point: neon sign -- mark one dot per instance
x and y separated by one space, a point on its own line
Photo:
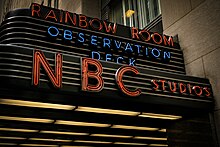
40 59
105 48
95 24
107 44
92 81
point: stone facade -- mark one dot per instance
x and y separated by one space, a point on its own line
197 24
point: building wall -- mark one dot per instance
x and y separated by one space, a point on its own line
197 24
74 6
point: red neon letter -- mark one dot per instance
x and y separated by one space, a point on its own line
86 74
134 33
92 22
169 41
182 87
163 84
51 15
155 84
196 91
174 86
71 18
155 40
144 37
109 27
82 19
119 75
35 9
40 59
189 88
208 93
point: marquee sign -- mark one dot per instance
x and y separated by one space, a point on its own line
128 52
67 73
57 50
62 31
165 86
95 24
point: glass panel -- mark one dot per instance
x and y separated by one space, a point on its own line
137 13
116 13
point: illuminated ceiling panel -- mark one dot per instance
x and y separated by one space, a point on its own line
35 104
107 111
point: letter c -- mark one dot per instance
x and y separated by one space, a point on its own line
118 77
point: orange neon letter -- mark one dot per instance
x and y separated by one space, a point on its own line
208 93
182 87
109 28
134 33
145 37
92 22
119 75
174 86
71 18
83 21
168 42
155 84
51 14
86 74
40 59
35 9
163 84
155 40
197 90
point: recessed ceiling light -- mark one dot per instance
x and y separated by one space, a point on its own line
88 141
110 135
75 123
40 120
160 116
65 133
16 138
35 104
130 143
149 138
18 130
157 145
107 111
134 127
43 145
54 140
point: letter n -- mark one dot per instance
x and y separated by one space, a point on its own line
40 59
92 74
